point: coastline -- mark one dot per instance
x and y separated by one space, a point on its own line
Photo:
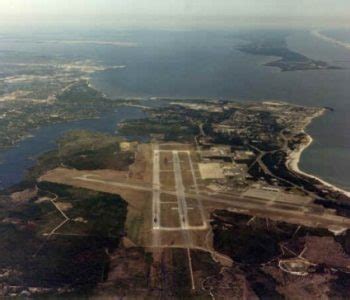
330 39
293 159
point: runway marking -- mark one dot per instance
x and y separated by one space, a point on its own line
196 189
156 190
190 267
240 202
137 187
294 213
180 191
179 151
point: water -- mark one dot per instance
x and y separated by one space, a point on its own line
15 161
192 64
207 64
329 156
185 64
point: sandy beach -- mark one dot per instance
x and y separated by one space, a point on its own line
294 159
330 40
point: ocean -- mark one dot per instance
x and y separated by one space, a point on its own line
207 64
202 64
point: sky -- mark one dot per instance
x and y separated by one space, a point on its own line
176 12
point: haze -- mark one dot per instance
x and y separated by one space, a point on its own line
176 13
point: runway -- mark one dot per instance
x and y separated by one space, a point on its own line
156 190
180 192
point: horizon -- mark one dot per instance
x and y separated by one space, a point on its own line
170 14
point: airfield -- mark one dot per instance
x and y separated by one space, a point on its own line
170 204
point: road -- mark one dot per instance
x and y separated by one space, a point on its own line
266 170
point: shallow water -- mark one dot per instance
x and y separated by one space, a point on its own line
15 161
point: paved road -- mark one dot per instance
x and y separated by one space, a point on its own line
266 170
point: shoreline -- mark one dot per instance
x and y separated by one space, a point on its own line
330 39
293 159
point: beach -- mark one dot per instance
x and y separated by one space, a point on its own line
330 40
294 159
